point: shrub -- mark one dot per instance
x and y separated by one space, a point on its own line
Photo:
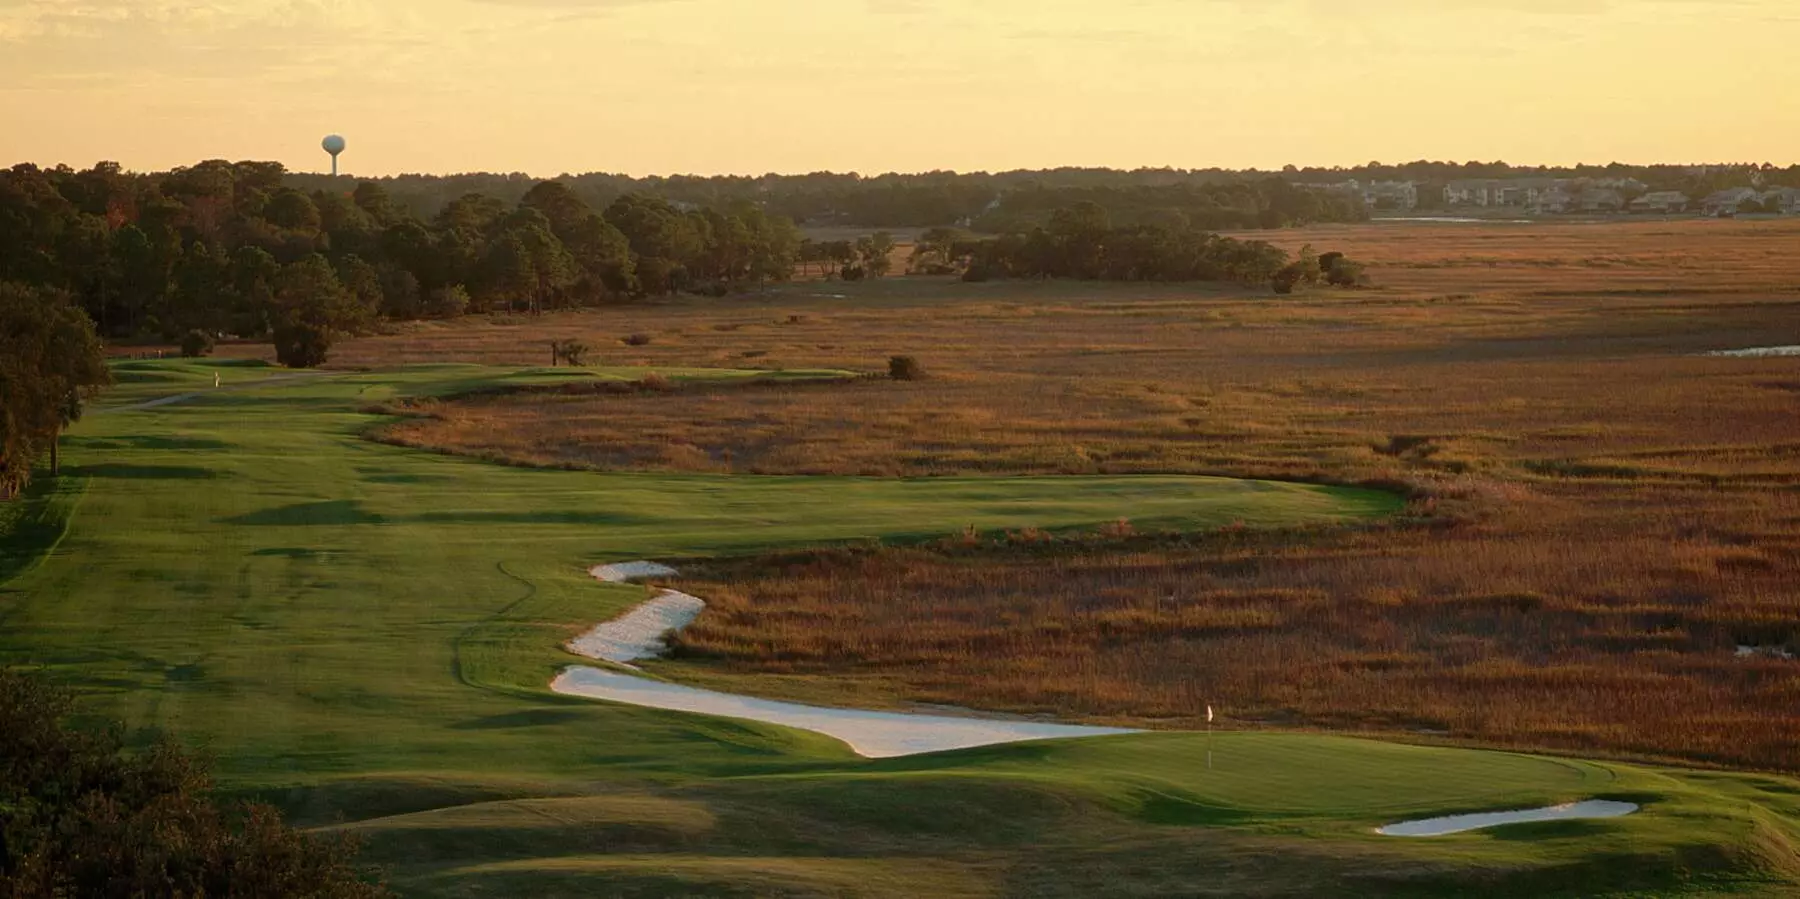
195 344
302 344
1286 280
84 818
656 382
853 273
1345 273
448 302
638 340
573 352
905 368
977 273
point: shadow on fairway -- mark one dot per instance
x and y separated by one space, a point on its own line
332 512
143 472
145 443
406 479
294 552
527 718
582 518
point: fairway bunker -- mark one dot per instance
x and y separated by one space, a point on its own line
638 634
875 735
1757 352
1437 827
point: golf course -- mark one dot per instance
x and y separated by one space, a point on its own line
365 636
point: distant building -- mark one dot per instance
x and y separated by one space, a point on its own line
1391 195
1728 202
1785 200
1507 192
1375 194
1600 200
1623 185
1666 202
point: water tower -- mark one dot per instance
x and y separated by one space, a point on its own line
334 145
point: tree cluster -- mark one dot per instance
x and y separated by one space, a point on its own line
234 248
80 817
1264 203
1081 242
50 362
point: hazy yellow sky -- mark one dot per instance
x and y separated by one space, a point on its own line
707 86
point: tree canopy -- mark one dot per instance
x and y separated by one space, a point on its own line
79 816
50 361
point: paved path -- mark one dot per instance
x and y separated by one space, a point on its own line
186 397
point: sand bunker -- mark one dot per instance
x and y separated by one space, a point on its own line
640 633
875 735
1771 652
1758 352
1434 827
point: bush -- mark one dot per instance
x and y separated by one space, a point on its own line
978 273
905 368
656 382
1345 273
83 818
196 344
853 273
448 302
573 352
1286 280
302 345
638 340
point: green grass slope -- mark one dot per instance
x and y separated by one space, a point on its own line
363 633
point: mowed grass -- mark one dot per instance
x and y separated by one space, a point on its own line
247 571
362 633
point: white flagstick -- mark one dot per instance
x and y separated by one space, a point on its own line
1209 720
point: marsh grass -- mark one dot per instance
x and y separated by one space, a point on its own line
1599 516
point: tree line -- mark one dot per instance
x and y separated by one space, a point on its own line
1263 204
1082 242
231 248
930 199
890 200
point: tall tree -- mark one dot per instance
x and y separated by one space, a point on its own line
50 362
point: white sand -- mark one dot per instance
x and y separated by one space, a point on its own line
875 735
1774 652
1434 827
1757 352
621 572
640 634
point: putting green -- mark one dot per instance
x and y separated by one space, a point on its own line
361 631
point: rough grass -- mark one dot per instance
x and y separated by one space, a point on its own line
1608 514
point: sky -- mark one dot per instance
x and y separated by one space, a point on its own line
753 86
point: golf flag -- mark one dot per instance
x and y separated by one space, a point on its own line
1209 714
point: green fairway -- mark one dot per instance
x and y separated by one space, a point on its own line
365 633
